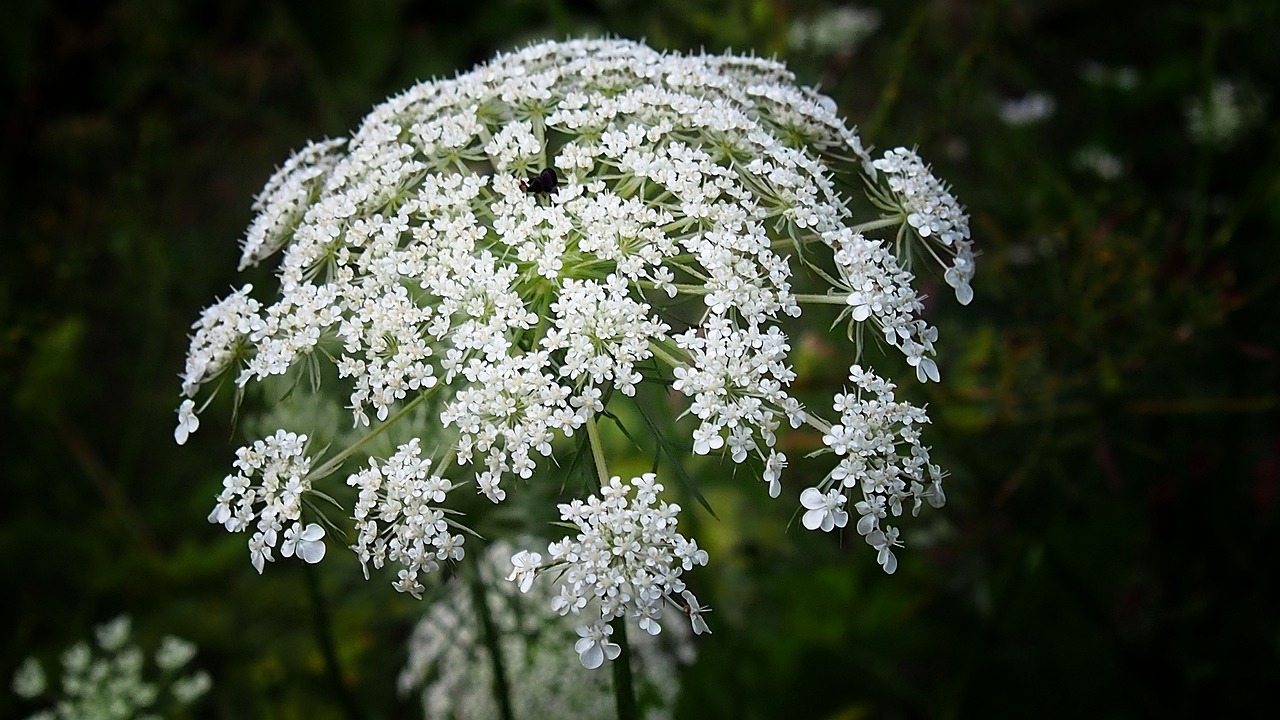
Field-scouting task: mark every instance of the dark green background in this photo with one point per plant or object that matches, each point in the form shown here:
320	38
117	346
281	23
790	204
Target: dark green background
1108	408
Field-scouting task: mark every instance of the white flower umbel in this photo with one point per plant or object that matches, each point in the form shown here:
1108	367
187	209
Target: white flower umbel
626	561
495	254
837	31
402	496
279	464
932	214
1028	109
881	459
1230	109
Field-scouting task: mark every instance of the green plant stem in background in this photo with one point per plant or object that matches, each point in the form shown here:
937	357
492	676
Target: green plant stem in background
1196	239
623	691
324	637
501	688
107	486
901	61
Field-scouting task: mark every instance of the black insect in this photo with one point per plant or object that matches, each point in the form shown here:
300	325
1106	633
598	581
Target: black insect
544	182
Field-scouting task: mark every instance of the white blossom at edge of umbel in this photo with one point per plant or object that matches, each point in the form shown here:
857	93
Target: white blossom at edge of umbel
280	465
307	543
594	646
933	213
882	463
625	561
524	567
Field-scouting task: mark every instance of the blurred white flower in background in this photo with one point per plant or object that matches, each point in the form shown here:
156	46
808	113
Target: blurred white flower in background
1028	109
1220	119
833	31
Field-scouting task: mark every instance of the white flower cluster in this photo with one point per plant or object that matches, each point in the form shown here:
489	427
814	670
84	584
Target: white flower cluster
407	500
933	213
1098	160
450	659
280	464
878	443
880	292
110	683
625	561
285	198
516	243
221	334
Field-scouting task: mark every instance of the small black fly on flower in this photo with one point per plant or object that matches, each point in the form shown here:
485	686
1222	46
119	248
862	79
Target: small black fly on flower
544	182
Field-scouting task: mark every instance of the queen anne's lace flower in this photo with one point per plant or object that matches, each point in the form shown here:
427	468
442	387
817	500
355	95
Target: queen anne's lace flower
280	465
932	213
693	208
626	561
406	499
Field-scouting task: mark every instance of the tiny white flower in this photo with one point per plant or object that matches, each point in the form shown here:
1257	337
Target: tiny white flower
884	541
525	566
695	612
773	467
188	421
823	510
29	680
114	634
174	652
260	549
1099	161
1027	110
187	690
594	647
307	543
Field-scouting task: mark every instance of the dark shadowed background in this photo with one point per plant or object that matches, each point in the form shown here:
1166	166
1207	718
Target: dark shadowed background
1108	409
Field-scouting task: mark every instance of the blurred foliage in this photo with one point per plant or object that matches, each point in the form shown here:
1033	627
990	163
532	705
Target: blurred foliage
1108	411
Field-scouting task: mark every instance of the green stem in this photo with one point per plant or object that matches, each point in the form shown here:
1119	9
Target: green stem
883	222
824	299
624	693
336	461
903	55
597	452
666	357
324	636
501	688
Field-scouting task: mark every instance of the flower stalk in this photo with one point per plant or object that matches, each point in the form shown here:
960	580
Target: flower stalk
490	634
624	692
